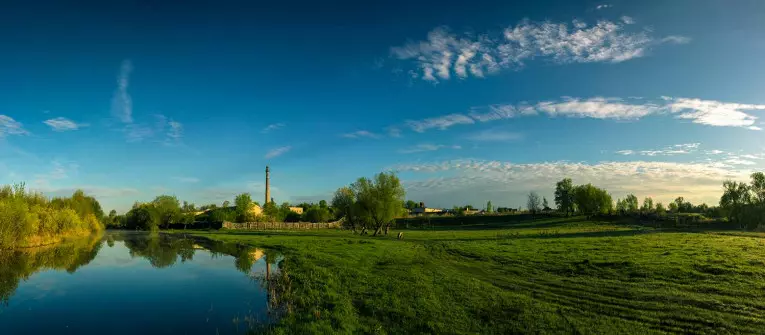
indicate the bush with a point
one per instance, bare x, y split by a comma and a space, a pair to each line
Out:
25, 216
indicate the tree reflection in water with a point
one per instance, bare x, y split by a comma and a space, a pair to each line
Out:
162, 251
18, 264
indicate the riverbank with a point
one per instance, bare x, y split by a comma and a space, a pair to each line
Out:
536, 276
37, 241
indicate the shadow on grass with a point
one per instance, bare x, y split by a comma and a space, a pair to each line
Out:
551, 235
531, 223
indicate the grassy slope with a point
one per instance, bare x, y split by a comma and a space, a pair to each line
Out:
548, 276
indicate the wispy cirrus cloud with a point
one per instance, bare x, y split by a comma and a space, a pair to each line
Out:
361, 134
494, 135
58, 171
164, 130
445, 54
9, 126
122, 103
428, 147
174, 133
603, 6
277, 152
272, 127
706, 112
63, 124
441, 122
394, 131
677, 149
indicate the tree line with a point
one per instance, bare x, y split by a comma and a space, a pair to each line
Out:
29, 218
167, 211
741, 202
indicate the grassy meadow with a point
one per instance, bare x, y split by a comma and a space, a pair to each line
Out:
554, 275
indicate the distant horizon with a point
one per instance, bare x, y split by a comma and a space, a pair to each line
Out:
467, 104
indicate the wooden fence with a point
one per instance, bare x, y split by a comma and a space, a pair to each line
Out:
280, 225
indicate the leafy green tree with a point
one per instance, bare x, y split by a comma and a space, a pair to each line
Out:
757, 187
631, 203
591, 200
410, 204
564, 196
489, 208
316, 214
736, 195
621, 207
672, 208
533, 203
226, 203
647, 205
344, 202
545, 206
243, 204
323, 203
168, 208
380, 199
188, 207
660, 209
679, 204
271, 211
143, 217
458, 211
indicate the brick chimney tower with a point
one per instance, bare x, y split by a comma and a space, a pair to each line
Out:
268, 187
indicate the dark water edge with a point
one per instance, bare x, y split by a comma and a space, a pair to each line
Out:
135, 282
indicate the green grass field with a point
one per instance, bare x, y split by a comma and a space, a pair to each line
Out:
534, 276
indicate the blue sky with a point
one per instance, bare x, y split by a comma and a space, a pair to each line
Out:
468, 102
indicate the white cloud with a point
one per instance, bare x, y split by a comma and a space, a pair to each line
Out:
738, 161
603, 6
360, 134
428, 147
174, 132
186, 179
63, 124
628, 20
714, 113
708, 112
122, 103
445, 52
677, 149
277, 152
714, 152
494, 135
441, 122
271, 127
597, 107
497, 112
674, 39
9, 126
474, 181
162, 126
137, 132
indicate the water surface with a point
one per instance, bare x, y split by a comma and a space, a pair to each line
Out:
133, 283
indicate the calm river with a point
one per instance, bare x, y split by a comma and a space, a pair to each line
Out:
137, 283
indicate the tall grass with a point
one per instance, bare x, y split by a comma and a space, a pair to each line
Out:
29, 218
